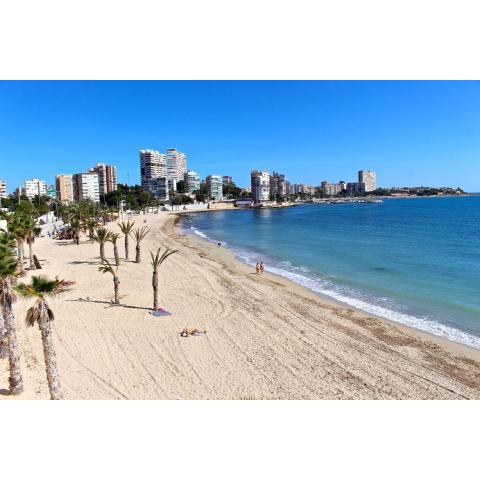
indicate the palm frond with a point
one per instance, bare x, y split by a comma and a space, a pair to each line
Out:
107, 267
43, 287
157, 259
102, 235
140, 233
126, 227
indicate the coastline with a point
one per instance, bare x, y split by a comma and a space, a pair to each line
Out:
456, 347
267, 337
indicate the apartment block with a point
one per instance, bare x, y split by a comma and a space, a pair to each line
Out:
86, 187
64, 187
260, 183
214, 187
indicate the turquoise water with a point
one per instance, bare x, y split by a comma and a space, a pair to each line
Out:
414, 261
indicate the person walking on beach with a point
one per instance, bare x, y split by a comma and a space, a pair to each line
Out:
262, 267
257, 268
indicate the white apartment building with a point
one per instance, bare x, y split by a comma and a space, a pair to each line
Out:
260, 182
369, 179
152, 165
158, 188
192, 181
332, 188
34, 187
64, 186
176, 164
86, 187
3, 189
214, 187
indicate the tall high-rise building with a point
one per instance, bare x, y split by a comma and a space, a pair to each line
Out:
3, 189
260, 181
152, 165
86, 187
107, 177
176, 164
278, 185
34, 187
64, 188
192, 181
214, 187
227, 180
369, 179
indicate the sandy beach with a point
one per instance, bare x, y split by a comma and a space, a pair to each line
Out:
267, 338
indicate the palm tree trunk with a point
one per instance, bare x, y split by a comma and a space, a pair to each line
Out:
137, 258
20, 257
115, 253
155, 290
15, 380
126, 246
77, 238
3, 338
49, 355
30, 253
102, 251
116, 283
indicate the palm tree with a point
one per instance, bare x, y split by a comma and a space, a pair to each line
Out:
108, 268
126, 228
156, 261
89, 225
139, 234
114, 238
8, 275
31, 232
76, 228
16, 226
39, 313
102, 236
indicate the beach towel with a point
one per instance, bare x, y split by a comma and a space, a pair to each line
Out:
160, 313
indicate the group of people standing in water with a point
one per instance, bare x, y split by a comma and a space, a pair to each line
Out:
260, 267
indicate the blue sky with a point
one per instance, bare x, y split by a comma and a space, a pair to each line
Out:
410, 133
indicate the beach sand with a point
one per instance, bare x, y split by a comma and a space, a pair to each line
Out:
267, 338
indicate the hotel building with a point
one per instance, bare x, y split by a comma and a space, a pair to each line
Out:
107, 177
152, 165
3, 189
369, 180
34, 187
176, 165
260, 182
86, 187
214, 187
64, 188
192, 181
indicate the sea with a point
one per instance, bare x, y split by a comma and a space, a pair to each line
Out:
415, 261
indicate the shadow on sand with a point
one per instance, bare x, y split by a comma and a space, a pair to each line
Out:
109, 304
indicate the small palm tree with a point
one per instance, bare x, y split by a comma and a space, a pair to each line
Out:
89, 225
16, 226
156, 261
76, 228
39, 313
108, 268
126, 228
114, 238
102, 236
8, 276
139, 234
32, 231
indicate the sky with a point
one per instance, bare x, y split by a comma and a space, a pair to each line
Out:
410, 133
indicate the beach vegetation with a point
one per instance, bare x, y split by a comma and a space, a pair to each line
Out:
40, 289
102, 235
139, 234
156, 261
107, 267
114, 238
9, 272
126, 228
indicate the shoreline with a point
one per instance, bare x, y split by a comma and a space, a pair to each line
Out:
266, 337
457, 347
